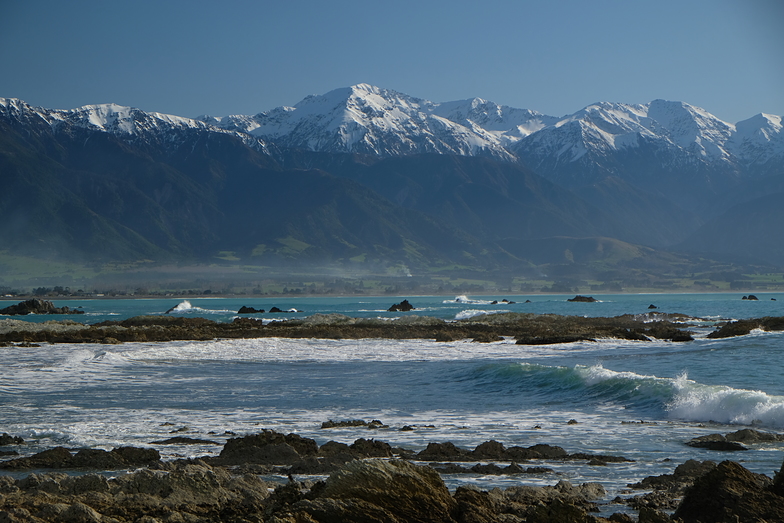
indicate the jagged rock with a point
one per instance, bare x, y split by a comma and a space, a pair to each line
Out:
37, 306
250, 310
731, 493
586, 299
652, 306
403, 306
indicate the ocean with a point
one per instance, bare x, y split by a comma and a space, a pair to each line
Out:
640, 400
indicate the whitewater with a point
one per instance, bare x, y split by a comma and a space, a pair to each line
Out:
640, 400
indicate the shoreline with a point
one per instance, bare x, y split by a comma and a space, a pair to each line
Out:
371, 471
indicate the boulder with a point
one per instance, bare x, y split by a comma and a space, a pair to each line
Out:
403, 306
731, 493
411, 493
268, 447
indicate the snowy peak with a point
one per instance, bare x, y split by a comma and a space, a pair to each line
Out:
692, 128
128, 123
369, 120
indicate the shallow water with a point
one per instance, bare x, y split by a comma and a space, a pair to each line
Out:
641, 400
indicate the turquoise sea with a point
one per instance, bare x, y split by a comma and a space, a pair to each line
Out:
641, 400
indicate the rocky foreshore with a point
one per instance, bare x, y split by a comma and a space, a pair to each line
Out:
368, 481
523, 327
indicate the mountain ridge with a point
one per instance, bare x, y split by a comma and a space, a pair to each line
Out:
481, 173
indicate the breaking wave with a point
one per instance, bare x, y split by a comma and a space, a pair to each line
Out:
676, 398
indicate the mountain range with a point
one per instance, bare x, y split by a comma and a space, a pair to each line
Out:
369, 176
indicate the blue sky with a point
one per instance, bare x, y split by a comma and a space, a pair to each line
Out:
192, 57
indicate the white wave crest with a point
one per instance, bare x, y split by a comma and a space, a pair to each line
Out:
694, 401
464, 315
465, 299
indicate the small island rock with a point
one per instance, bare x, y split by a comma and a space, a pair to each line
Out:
403, 306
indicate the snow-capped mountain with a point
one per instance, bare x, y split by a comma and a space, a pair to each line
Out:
129, 123
603, 138
369, 120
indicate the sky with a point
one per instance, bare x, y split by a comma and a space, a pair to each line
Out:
194, 57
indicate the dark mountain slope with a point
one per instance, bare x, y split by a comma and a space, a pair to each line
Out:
751, 232
93, 196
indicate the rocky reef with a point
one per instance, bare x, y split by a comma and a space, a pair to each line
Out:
367, 481
523, 327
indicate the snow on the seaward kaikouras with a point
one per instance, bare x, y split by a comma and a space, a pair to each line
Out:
128, 123
369, 120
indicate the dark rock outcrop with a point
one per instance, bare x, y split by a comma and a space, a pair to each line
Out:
37, 306
524, 327
585, 299
249, 310
61, 458
403, 306
743, 327
266, 448
179, 440
374, 424
731, 493
715, 442
7, 439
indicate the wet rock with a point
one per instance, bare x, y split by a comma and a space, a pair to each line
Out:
753, 436
750, 297
179, 440
652, 306
743, 327
403, 306
731, 493
715, 442
375, 424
